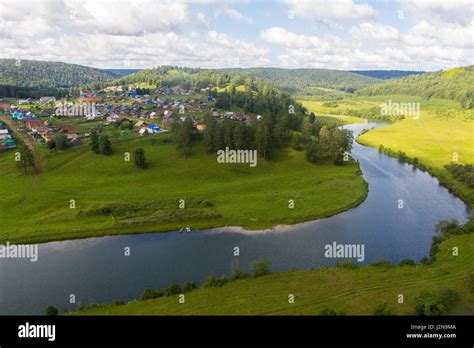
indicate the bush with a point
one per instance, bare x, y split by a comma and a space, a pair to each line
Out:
425, 260
206, 204
445, 226
435, 302
346, 264
408, 262
149, 294
260, 268
51, 310
383, 309
330, 312
239, 274
139, 158
213, 282
187, 286
470, 282
172, 289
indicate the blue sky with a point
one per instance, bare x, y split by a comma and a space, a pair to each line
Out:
337, 34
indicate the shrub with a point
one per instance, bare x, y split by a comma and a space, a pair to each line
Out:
346, 264
206, 204
425, 260
172, 289
470, 282
187, 286
408, 262
239, 274
330, 312
139, 158
383, 309
380, 263
51, 310
446, 226
149, 294
260, 268
213, 282
435, 302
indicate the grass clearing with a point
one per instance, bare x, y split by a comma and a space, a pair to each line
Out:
125, 199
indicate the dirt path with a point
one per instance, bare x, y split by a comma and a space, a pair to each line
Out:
29, 142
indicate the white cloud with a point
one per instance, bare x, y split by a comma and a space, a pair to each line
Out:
374, 31
451, 11
330, 11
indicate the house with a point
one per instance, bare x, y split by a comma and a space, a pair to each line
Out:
153, 129
7, 144
23, 101
4, 135
112, 117
67, 128
33, 125
47, 99
46, 135
140, 124
143, 131
201, 127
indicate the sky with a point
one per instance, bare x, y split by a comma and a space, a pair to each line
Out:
337, 34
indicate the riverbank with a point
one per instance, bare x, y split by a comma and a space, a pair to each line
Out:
347, 290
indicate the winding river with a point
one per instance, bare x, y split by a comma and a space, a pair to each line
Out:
96, 270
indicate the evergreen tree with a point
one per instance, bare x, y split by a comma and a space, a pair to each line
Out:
263, 137
105, 146
95, 141
139, 158
183, 137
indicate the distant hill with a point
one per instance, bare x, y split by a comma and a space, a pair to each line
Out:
122, 72
35, 73
455, 84
310, 81
387, 74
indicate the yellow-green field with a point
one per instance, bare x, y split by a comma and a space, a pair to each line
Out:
443, 133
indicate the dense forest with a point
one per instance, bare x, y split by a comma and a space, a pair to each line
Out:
387, 74
30, 78
455, 84
122, 72
309, 81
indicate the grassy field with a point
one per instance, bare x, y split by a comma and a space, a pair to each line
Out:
322, 114
113, 197
352, 291
442, 131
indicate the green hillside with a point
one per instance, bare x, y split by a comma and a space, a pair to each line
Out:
455, 84
310, 81
33, 73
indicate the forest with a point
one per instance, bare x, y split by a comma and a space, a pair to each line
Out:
455, 84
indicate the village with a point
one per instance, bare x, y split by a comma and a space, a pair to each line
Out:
116, 110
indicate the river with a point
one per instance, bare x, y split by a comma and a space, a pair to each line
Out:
96, 269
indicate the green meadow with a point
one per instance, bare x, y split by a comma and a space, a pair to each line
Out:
110, 196
442, 134
355, 291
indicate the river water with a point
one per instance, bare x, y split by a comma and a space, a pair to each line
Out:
96, 269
